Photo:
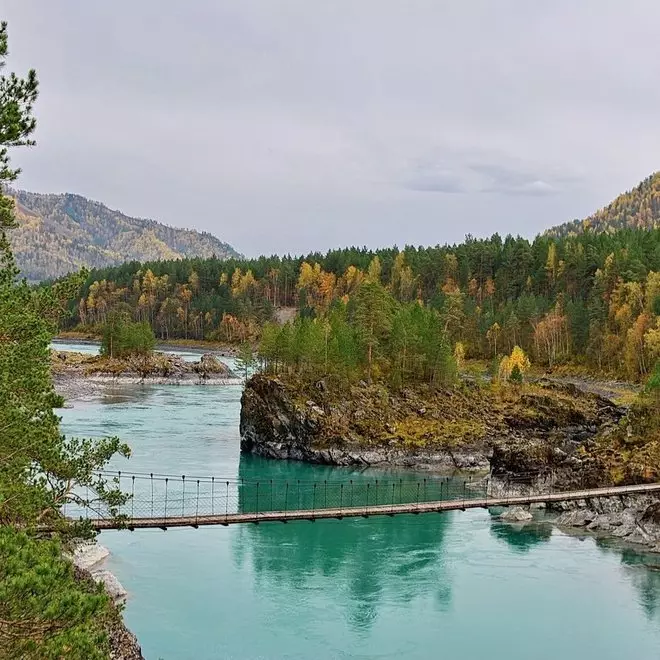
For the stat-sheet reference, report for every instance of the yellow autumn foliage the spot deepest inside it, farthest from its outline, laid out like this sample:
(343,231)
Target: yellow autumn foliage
(509,362)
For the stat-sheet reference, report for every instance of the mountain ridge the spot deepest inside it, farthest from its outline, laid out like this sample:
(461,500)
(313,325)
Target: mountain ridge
(59,233)
(637,208)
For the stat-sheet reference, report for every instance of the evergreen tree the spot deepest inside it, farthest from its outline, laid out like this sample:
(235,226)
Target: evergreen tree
(373,313)
(245,360)
(44,612)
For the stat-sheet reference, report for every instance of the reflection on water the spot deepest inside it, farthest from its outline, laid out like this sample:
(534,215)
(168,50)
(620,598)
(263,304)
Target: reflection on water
(268,485)
(646,579)
(642,569)
(356,560)
(411,587)
(521,538)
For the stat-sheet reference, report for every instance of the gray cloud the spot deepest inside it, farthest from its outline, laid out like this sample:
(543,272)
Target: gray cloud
(428,180)
(439,183)
(522,181)
(294,125)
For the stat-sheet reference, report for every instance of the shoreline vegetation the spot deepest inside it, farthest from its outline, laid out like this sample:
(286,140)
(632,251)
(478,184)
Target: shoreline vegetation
(219,348)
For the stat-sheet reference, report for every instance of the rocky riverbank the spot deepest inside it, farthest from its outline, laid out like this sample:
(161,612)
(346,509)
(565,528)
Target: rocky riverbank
(88,561)
(71,371)
(467,427)
(632,519)
(546,434)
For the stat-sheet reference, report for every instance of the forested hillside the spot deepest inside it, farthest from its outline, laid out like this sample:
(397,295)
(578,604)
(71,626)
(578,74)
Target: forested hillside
(638,208)
(589,298)
(58,234)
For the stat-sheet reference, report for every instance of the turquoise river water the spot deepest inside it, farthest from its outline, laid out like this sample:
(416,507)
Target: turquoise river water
(457,585)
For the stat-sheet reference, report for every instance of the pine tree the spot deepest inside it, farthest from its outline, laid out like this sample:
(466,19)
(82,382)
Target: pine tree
(373,313)
(44,612)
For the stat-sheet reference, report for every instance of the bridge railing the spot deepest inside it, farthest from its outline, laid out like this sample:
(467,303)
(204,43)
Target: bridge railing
(156,500)
(165,497)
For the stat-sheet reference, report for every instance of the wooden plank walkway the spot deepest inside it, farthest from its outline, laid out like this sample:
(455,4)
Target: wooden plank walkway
(374,510)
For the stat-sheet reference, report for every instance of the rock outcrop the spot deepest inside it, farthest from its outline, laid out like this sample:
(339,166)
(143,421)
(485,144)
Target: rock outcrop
(87,559)
(633,519)
(159,368)
(545,435)
(123,643)
(463,428)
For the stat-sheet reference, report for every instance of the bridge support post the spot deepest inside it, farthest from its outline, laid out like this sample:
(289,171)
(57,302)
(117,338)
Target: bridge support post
(165,511)
(341,497)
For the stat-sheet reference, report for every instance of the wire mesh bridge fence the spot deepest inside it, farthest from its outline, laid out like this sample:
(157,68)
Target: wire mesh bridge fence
(159,500)
(153,495)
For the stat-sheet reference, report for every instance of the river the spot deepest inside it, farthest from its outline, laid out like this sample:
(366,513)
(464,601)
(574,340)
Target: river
(414,587)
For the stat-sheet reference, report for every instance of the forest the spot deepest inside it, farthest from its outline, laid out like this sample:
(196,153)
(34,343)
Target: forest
(590,299)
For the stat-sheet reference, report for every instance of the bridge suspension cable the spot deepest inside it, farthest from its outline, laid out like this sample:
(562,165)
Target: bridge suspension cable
(156,500)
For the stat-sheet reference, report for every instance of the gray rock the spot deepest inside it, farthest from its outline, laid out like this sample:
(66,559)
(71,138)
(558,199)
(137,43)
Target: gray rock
(576,518)
(516,514)
(112,585)
(87,555)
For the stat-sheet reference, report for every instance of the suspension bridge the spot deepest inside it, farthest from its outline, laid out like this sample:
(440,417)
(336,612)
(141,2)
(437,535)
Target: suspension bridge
(165,501)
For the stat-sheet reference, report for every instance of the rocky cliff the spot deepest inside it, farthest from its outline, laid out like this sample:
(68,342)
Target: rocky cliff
(469,427)
(528,439)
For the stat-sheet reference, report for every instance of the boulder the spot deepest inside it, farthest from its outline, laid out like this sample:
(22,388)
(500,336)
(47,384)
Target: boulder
(652,514)
(87,555)
(516,514)
(112,585)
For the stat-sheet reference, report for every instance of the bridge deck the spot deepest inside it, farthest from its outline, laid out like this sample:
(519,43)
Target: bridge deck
(374,510)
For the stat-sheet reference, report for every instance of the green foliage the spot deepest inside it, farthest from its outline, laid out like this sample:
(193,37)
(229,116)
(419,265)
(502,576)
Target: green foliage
(17,96)
(653,383)
(372,312)
(45,612)
(123,337)
(374,337)
(516,375)
(655,306)
(246,359)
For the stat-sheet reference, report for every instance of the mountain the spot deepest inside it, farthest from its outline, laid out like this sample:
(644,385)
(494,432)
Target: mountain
(638,208)
(58,234)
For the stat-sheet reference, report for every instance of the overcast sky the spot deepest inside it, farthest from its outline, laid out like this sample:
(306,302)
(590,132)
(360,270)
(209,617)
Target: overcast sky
(288,126)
